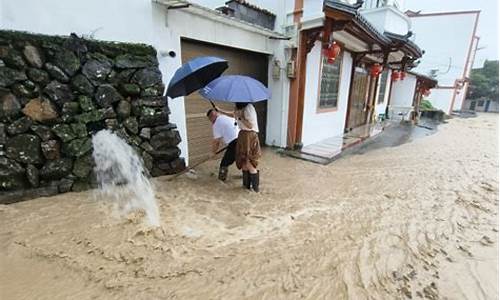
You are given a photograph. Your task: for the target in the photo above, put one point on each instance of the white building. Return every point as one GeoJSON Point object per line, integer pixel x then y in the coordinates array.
{"type": "Point", "coordinates": [311, 98]}
{"type": "Point", "coordinates": [178, 30]}
{"type": "Point", "coordinates": [329, 99]}
{"type": "Point", "coordinates": [450, 42]}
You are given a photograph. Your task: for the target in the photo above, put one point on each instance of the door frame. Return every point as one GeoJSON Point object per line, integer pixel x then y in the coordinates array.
{"type": "Point", "coordinates": [355, 63]}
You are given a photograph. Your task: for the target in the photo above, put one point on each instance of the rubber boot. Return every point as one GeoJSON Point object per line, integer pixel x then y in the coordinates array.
{"type": "Point", "coordinates": [222, 173]}
{"type": "Point", "coordinates": [246, 179]}
{"type": "Point", "coordinates": [254, 180]}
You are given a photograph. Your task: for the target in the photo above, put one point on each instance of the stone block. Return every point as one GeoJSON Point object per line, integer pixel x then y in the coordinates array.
{"type": "Point", "coordinates": [24, 148]}
{"type": "Point", "coordinates": [83, 166]}
{"type": "Point", "coordinates": [56, 73]}
{"type": "Point", "coordinates": [81, 84]}
{"type": "Point", "coordinates": [123, 109]}
{"type": "Point", "coordinates": [56, 169]}
{"type": "Point", "coordinates": [33, 56]}
{"type": "Point", "coordinates": [78, 147]}
{"type": "Point", "coordinates": [38, 76]}
{"type": "Point", "coordinates": [19, 126]}
{"type": "Point", "coordinates": [131, 125]}
{"type": "Point", "coordinates": [130, 89]}
{"type": "Point", "coordinates": [86, 103]}
{"type": "Point", "coordinates": [51, 149]}
{"type": "Point", "coordinates": [41, 110]}
{"type": "Point", "coordinates": [44, 132]}
{"type": "Point", "coordinates": [10, 107]}
{"type": "Point", "coordinates": [67, 61]}
{"type": "Point", "coordinates": [126, 61]}
{"type": "Point", "coordinates": [106, 95]}
{"type": "Point", "coordinates": [147, 77]}
{"type": "Point", "coordinates": [59, 93]}
{"type": "Point", "coordinates": [64, 132]}
{"type": "Point", "coordinates": [165, 139]}
{"type": "Point", "coordinates": [97, 69]}
{"type": "Point", "coordinates": [10, 76]}
{"type": "Point", "coordinates": [32, 174]}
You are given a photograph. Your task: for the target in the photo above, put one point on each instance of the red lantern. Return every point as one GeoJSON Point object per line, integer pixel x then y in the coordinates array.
{"type": "Point", "coordinates": [375, 70]}
{"type": "Point", "coordinates": [395, 75]}
{"type": "Point", "coordinates": [332, 52]}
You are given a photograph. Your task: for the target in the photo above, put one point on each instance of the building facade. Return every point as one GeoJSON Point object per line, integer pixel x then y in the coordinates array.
{"type": "Point", "coordinates": [178, 30]}
{"type": "Point", "coordinates": [327, 63]}
{"type": "Point", "coordinates": [329, 98]}
{"type": "Point", "coordinates": [450, 52]}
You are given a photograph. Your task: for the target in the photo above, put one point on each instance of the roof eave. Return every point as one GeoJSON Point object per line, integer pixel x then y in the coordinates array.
{"type": "Point", "coordinates": [352, 13]}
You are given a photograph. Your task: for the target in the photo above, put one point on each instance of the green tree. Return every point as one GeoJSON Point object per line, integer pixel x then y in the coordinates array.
{"type": "Point", "coordinates": [484, 81]}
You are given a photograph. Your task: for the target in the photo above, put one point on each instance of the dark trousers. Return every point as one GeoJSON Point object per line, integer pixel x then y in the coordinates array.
{"type": "Point", "coordinates": [229, 155]}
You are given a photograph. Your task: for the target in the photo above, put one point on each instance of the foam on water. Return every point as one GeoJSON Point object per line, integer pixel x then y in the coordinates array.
{"type": "Point", "coordinates": [121, 176]}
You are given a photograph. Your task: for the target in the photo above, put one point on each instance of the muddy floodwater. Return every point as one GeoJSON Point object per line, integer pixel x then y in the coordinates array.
{"type": "Point", "coordinates": [418, 221]}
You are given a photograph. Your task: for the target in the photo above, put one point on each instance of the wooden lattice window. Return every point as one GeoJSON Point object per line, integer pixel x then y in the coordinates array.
{"type": "Point", "coordinates": [330, 82]}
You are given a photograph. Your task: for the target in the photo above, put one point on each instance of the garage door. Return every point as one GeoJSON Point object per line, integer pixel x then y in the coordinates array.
{"type": "Point", "coordinates": [199, 130]}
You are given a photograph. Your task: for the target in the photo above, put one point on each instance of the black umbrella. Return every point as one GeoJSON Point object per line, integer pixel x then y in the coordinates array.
{"type": "Point", "coordinates": [195, 74]}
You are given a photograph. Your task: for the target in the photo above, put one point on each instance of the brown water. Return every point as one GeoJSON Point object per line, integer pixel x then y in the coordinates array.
{"type": "Point", "coordinates": [415, 220]}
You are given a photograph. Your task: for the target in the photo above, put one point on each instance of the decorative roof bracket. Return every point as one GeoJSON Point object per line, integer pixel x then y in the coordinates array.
{"type": "Point", "coordinates": [311, 37]}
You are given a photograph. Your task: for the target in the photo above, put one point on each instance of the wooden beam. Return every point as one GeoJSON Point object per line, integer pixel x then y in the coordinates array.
{"type": "Point", "coordinates": [340, 25]}
{"type": "Point", "coordinates": [327, 32]}
{"type": "Point", "coordinates": [337, 16]}
{"type": "Point", "coordinates": [302, 59]}
{"type": "Point", "coordinates": [310, 37]}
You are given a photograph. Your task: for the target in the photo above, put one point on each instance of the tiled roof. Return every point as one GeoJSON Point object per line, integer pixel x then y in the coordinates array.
{"type": "Point", "coordinates": [415, 50]}
{"type": "Point", "coordinates": [430, 79]}
{"type": "Point", "coordinates": [243, 2]}
{"type": "Point", "coordinates": [358, 18]}
{"type": "Point", "coordinates": [385, 39]}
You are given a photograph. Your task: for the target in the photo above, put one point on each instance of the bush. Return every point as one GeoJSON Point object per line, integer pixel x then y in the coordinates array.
{"type": "Point", "coordinates": [426, 105]}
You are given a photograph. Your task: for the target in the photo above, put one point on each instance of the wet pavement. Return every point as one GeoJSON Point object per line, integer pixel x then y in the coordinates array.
{"type": "Point", "coordinates": [396, 134]}
{"type": "Point", "coordinates": [382, 225]}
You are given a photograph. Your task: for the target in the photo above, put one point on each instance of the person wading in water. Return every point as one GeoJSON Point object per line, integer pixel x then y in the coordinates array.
{"type": "Point", "coordinates": [225, 132]}
{"type": "Point", "coordinates": [248, 149]}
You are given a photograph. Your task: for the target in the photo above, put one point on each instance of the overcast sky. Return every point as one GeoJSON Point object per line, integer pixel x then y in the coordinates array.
{"type": "Point", "coordinates": [487, 27]}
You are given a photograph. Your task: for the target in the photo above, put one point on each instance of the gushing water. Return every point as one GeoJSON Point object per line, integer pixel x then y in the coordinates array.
{"type": "Point", "coordinates": [120, 175]}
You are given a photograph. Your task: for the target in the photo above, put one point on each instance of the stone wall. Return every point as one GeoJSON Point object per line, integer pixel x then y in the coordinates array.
{"type": "Point", "coordinates": [55, 92]}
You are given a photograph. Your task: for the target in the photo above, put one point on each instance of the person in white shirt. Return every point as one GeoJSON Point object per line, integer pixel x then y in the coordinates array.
{"type": "Point", "coordinates": [225, 133]}
{"type": "Point", "coordinates": [248, 149]}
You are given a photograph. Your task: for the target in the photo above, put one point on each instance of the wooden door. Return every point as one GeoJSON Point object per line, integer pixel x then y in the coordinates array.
{"type": "Point", "coordinates": [358, 98]}
{"type": "Point", "coordinates": [199, 130]}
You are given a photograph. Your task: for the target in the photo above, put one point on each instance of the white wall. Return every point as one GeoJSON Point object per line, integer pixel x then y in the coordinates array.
{"type": "Point", "coordinates": [380, 107]}
{"type": "Point", "coordinates": [387, 18]}
{"type": "Point", "coordinates": [145, 22]}
{"type": "Point", "coordinates": [402, 98]}
{"type": "Point", "coordinates": [403, 91]}
{"type": "Point", "coordinates": [312, 8]}
{"type": "Point", "coordinates": [317, 126]}
{"type": "Point", "coordinates": [441, 99]}
{"type": "Point", "coordinates": [444, 37]}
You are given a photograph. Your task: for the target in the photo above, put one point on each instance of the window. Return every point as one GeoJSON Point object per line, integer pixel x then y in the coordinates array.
{"type": "Point", "coordinates": [480, 103]}
{"type": "Point", "coordinates": [383, 85]}
{"type": "Point", "coordinates": [330, 80]}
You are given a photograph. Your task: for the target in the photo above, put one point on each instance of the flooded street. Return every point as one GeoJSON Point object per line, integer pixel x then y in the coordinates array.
{"type": "Point", "coordinates": [414, 221]}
